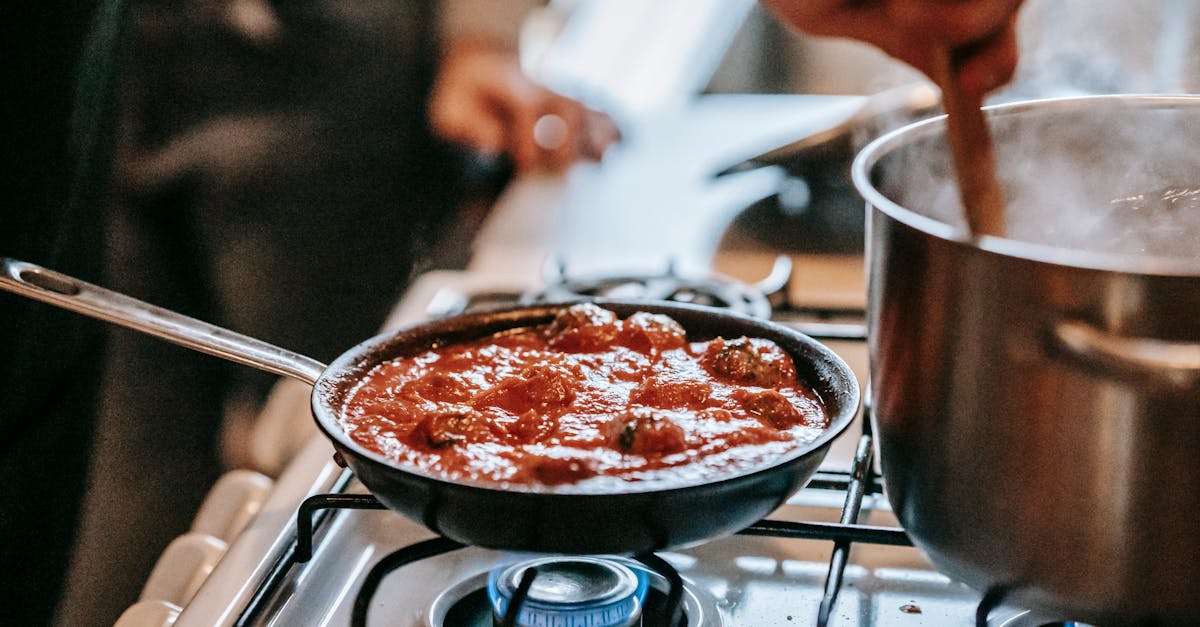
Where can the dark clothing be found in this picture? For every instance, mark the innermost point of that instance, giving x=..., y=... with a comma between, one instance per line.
x=281, y=186
x=55, y=177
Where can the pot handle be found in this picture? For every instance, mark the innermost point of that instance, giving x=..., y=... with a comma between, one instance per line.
x=1111, y=351
x=69, y=293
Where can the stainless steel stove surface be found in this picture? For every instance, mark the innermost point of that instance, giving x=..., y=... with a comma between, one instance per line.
x=733, y=581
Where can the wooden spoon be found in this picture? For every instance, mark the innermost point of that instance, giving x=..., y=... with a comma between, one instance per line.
x=971, y=150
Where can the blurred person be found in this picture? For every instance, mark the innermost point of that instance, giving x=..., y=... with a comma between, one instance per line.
x=982, y=33
x=278, y=168
x=52, y=189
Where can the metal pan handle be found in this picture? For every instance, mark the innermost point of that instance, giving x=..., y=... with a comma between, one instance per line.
x=69, y=293
x=1113, y=352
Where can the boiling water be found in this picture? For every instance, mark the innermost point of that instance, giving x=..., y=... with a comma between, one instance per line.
x=1164, y=222
x=1101, y=179
x=1161, y=223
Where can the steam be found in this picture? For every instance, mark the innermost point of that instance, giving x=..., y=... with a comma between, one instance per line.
x=1103, y=176
x=1075, y=47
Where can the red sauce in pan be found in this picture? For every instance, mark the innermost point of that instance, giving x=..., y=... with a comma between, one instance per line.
x=587, y=398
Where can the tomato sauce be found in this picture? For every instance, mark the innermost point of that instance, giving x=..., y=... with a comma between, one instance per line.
x=588, y=399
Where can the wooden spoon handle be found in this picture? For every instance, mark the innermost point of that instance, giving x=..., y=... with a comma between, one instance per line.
x=971, y=150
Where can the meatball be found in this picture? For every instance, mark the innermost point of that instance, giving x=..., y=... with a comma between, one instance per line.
x=670, y=392
x=532, y=426
x=556, y=470
x=439, y=387
x=537, y=387
x=449, y=428
x=752, y=361
x=645, y=433
x=771, y=407
x=651, y=333
x=583, y=328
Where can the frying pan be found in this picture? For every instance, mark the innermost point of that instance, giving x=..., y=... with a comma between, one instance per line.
x=558, y=519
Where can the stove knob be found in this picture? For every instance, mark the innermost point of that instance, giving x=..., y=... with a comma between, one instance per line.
x=182, y=568
x=231, y=504
x=149, y=614
x=597, y=592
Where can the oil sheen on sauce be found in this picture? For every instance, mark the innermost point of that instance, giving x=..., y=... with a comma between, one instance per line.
x=587, y=399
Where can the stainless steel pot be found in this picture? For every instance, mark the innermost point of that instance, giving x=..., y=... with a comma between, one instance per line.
x=1037, y=398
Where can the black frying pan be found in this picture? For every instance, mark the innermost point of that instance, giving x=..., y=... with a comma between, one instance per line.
x=557, y=519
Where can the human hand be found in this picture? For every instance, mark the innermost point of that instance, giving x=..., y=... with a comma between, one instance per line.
x=982, y=33
x=482, y=99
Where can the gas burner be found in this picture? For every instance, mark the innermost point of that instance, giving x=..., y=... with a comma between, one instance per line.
x=570, y=590
x=712, y=291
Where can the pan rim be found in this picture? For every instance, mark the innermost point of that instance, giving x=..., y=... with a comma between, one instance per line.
x=351, y=361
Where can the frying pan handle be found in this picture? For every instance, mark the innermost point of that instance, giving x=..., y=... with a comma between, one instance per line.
x=1136, y=355
x=63, y=291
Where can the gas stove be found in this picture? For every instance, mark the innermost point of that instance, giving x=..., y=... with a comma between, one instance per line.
x=833, y=555
x=305, y=548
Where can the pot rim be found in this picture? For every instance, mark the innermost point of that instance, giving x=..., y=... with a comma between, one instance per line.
x=866, y=160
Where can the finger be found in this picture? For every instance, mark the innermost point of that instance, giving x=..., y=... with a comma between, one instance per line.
x=522, y=114
x=599, y=133
x=559, y=132
x=471, y=122
x=953, y=23
x=991, y=63
x=488, y=135
x=867, y=21
x=815, y=16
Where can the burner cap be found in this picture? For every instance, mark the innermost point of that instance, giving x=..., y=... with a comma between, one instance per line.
x=571, y=591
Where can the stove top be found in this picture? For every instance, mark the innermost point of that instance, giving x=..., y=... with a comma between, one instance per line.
x=740, y=580
x=832, y=555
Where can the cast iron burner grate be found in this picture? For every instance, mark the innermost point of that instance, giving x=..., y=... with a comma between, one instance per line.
x=671, y=285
